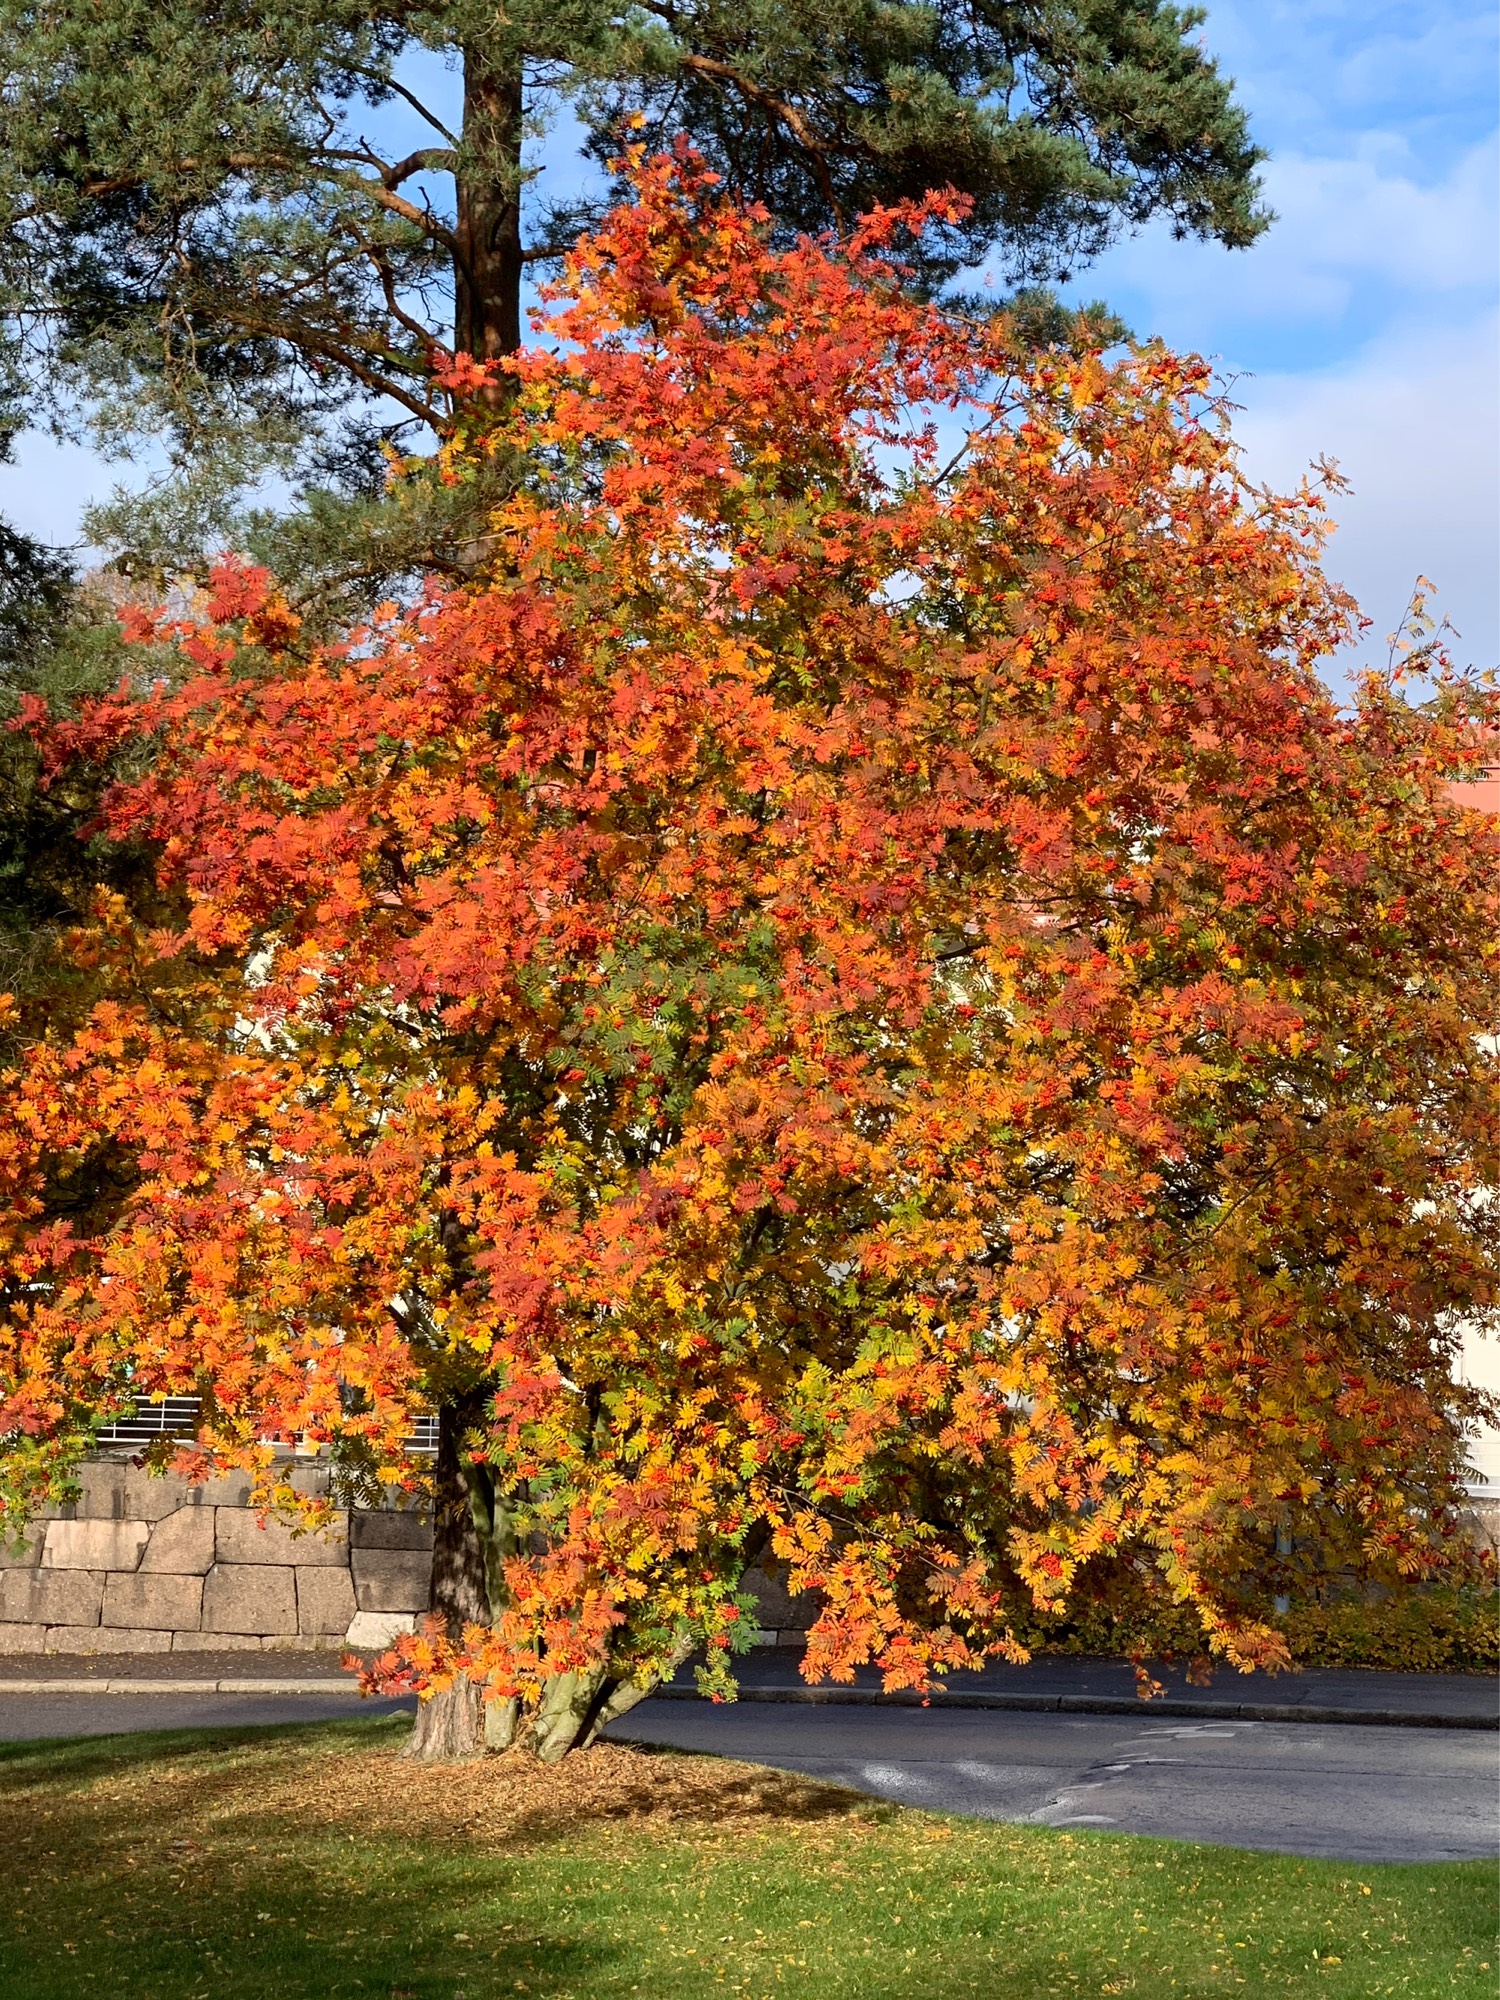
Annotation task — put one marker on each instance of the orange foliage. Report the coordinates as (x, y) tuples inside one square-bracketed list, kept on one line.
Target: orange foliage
[(860, 991)]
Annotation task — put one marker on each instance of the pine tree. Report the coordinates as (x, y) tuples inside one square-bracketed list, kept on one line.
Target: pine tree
[(60, 642), (204, 231)]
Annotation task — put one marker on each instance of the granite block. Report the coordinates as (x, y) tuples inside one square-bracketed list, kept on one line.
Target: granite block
[(94, 1544), (392, 1579), (325, 1600), (51, 1597), (182, 1543), (240, 1538), (389, 1528), (150, 1496), (373, 1631), (106, 1639), (172, 1603), (249, 1597), (101, 1490), (776, 1607), (311, 1477)]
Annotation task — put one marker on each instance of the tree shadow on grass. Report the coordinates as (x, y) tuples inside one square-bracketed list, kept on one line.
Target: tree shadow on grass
[(313, 1860)]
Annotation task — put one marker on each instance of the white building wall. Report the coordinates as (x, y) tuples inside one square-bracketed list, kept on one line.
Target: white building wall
[(1480, 1366)]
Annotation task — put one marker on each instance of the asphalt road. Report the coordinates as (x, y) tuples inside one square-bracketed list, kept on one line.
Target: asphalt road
[(1345, 1791)]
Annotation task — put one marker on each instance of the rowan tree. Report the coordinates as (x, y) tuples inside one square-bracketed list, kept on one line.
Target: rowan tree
[(248, 226), (858, 1005)]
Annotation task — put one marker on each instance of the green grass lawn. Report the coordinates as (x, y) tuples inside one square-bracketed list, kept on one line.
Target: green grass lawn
[(302, 1864)]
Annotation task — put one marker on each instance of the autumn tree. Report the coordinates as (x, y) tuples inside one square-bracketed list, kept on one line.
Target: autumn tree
[(246, 227), (857, 1006)]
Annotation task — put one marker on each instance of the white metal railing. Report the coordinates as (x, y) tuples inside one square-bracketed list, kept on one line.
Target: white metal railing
[(170, 1416), (177, 1416)]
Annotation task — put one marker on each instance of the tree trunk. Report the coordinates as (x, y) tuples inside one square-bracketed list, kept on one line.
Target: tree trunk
[(451, 1723), (460, 1592), (448, 1724), (472, 1537), (626, 1696), (489, 263), (575, 1707)]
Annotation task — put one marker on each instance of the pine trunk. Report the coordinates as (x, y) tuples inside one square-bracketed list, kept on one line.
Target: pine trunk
[(489, 262)]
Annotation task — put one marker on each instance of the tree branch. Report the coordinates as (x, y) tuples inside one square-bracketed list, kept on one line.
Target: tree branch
[(248, 163), (426, 159), (780, 108), (431, 117)]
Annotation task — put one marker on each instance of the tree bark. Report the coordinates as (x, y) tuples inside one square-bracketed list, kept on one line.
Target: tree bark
[(489, 265), (452, 1723), (448, 1724), (626, 1696), (460, 1593), (473, 1534), (576, 1707)]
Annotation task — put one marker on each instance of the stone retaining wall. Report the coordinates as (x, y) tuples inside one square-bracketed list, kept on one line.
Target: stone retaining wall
[(153, 1565), (145, 1565)]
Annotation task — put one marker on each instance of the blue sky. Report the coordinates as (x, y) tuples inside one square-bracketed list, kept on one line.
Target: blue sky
[(1363, 325)]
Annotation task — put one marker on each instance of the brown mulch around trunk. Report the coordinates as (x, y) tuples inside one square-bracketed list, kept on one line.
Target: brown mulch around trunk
[(503, 1798), (504, 1801)]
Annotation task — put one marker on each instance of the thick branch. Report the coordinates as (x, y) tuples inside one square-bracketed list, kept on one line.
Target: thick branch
[(780, 108), (249, 163), (434, 159), (312, 342)]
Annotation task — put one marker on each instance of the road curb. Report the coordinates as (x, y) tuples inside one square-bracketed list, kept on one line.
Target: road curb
[(1106, 1704), (1065, 1704), (131, 1684)]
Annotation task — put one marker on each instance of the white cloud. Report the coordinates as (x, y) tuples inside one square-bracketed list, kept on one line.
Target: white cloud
[(1414, 422), (1452, 53), (1348, 228), (1363, 217), (1313, 68), (1367, 317)]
